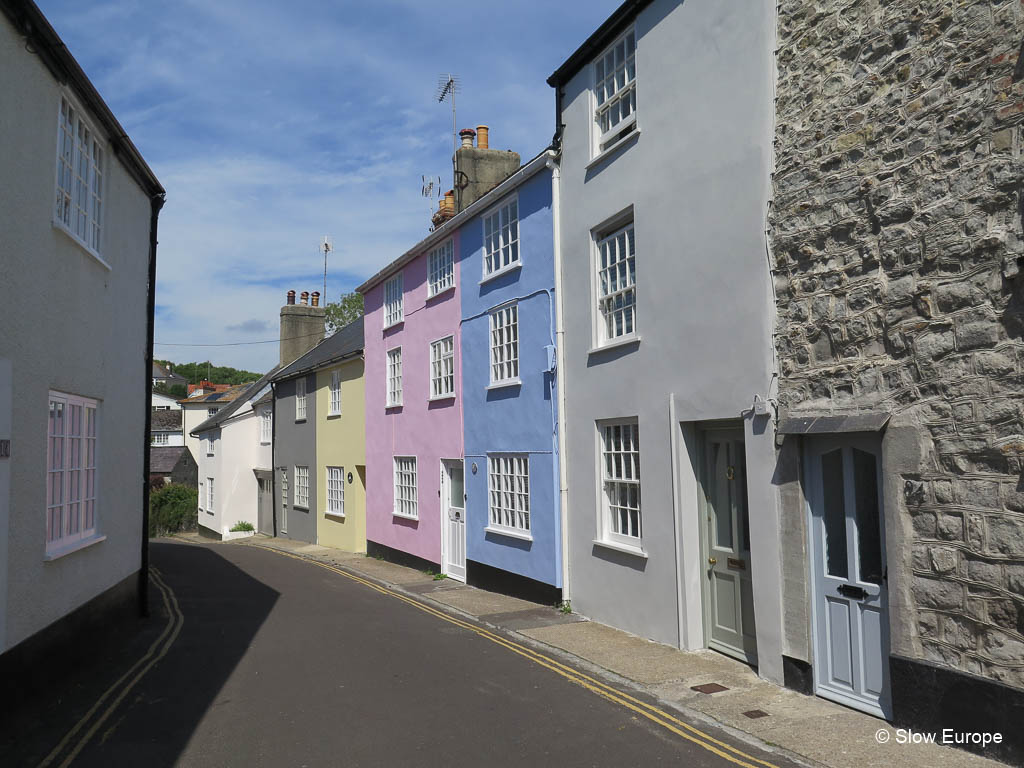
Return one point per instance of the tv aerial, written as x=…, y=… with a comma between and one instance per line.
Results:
x=326, y=247
x=447, y=86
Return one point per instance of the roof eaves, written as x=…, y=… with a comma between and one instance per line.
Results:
x=621, y=18
x=506, y=186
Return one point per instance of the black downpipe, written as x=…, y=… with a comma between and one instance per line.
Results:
x=156, y=202
x=556, y=140
x=273, y=455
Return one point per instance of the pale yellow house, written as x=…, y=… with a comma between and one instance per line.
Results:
x=341, y=442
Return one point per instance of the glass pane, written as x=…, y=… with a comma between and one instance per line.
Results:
x=458, y=488
x=720, y=496
x=834, y=513
x=869, y=541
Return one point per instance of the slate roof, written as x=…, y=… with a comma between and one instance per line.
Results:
x=163, y=458
x=159, y=372
x=224, y=396
x=165, y=421
x=246, y=392
x=345, y=343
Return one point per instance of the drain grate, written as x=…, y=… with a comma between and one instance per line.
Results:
x=708, y=688
x=756, y=713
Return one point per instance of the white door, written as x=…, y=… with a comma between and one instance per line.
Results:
x=728, y=586
x=453, y=513
x=850, y=600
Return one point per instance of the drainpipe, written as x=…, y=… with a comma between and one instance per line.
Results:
x=563, y=483
x=273, y=456
x=156, y=202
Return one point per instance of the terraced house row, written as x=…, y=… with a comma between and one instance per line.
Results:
x=733, y=364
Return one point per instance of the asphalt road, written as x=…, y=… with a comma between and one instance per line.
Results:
x=256, y=659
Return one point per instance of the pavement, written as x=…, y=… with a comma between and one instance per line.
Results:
x=806, y=729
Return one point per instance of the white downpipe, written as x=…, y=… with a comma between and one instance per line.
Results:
x=563, y=491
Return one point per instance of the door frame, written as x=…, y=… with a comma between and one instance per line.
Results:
x=812, y=493
x=445, y=496
x=702, y=429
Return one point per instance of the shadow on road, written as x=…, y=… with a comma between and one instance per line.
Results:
x=223, y=609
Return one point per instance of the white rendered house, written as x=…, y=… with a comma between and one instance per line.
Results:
x=78, y=213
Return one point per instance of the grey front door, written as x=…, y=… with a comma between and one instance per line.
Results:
x=847, y=549
x=265, y=504
x=728, y=584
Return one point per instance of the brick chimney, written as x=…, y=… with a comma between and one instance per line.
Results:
x=480, y=169
x=302, y=326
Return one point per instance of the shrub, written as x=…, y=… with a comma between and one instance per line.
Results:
x=242, y=525
x=172, y=508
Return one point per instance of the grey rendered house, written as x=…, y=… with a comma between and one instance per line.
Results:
x=665, y=129
x=79, y=221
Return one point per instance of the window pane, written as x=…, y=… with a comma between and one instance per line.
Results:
x=833, y=493
x=869, y=542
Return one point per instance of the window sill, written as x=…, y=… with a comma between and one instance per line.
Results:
x=404, y=516
x=208, y=511
x=604, y=154
x=58, y=225
x=387, y=328
x=264, y=442
x=300, y=507
x=300, y=421
x=511, y=533
x=439, y=398
x=503, y=271
x=67, y=549
x=334, y=415
x=628, y=549
x=393, y=407
x=631, y=340
x=335, y=515
x=441, y=293
x=505, y=384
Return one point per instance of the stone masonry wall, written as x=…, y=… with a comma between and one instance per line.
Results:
x=896, y=233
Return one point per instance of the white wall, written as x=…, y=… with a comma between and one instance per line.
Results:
x=192, y=416
x=163, y=400
x=238, y=452
x=74, y=325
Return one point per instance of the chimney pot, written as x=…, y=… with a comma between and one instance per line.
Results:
x=316, y=298
x=291, y=297
x=467, y=134
x=304, y=298
x=483, y=137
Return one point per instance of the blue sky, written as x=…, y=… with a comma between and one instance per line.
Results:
x=272, y=124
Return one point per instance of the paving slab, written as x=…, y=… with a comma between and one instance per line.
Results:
x=478, y=602
x=389, y=572
x=530, y=618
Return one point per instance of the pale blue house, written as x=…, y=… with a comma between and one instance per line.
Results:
x=509, y=387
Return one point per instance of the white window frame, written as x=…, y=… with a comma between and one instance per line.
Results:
x=209, y=495
x=406, y=488
x=508, y=493
x=501, y=251
x=72, y=472
x=442, y=368
x=202, y=490
x=300, y=491
x=393, y=378
x=159, y=438
x=300, y=398
x=79, y=183
x=609, y=104
x=503, y=325
x=335, y=484
x=394, y=301
x=441, y=269
x=209, y=444
x=211, y=412
x=334, y=394
x=616, y=478
x=615, y=285
x=266, y=426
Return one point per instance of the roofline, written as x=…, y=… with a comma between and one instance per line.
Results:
x=342, y=358
x=42, y=39
x=545, y=158
x=623, y=16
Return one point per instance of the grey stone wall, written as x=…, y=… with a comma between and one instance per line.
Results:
x=896, y=233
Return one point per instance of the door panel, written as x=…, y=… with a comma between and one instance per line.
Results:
x=847, y=551
x=453, y=557
x=728, y=592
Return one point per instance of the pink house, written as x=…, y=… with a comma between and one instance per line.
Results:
x=414, y=450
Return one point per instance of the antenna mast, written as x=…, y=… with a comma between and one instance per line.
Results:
x=449, y=85
x=326, y=245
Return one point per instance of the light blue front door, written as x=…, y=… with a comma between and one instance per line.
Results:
x=850, y=613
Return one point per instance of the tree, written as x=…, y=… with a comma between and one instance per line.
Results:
x=346, y=310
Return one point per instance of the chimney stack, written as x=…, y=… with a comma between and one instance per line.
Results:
x=302, y=326
x=480, y=169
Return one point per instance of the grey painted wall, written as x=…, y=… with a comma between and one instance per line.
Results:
x=697, y=178
x=295, y=445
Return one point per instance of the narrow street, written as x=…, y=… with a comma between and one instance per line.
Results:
x=258, y=659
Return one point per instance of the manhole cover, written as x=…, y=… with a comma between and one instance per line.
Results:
x=756, y=713
x=708, y=688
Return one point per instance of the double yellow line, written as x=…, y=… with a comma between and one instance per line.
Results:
x=642, y=708
x=125, y=683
